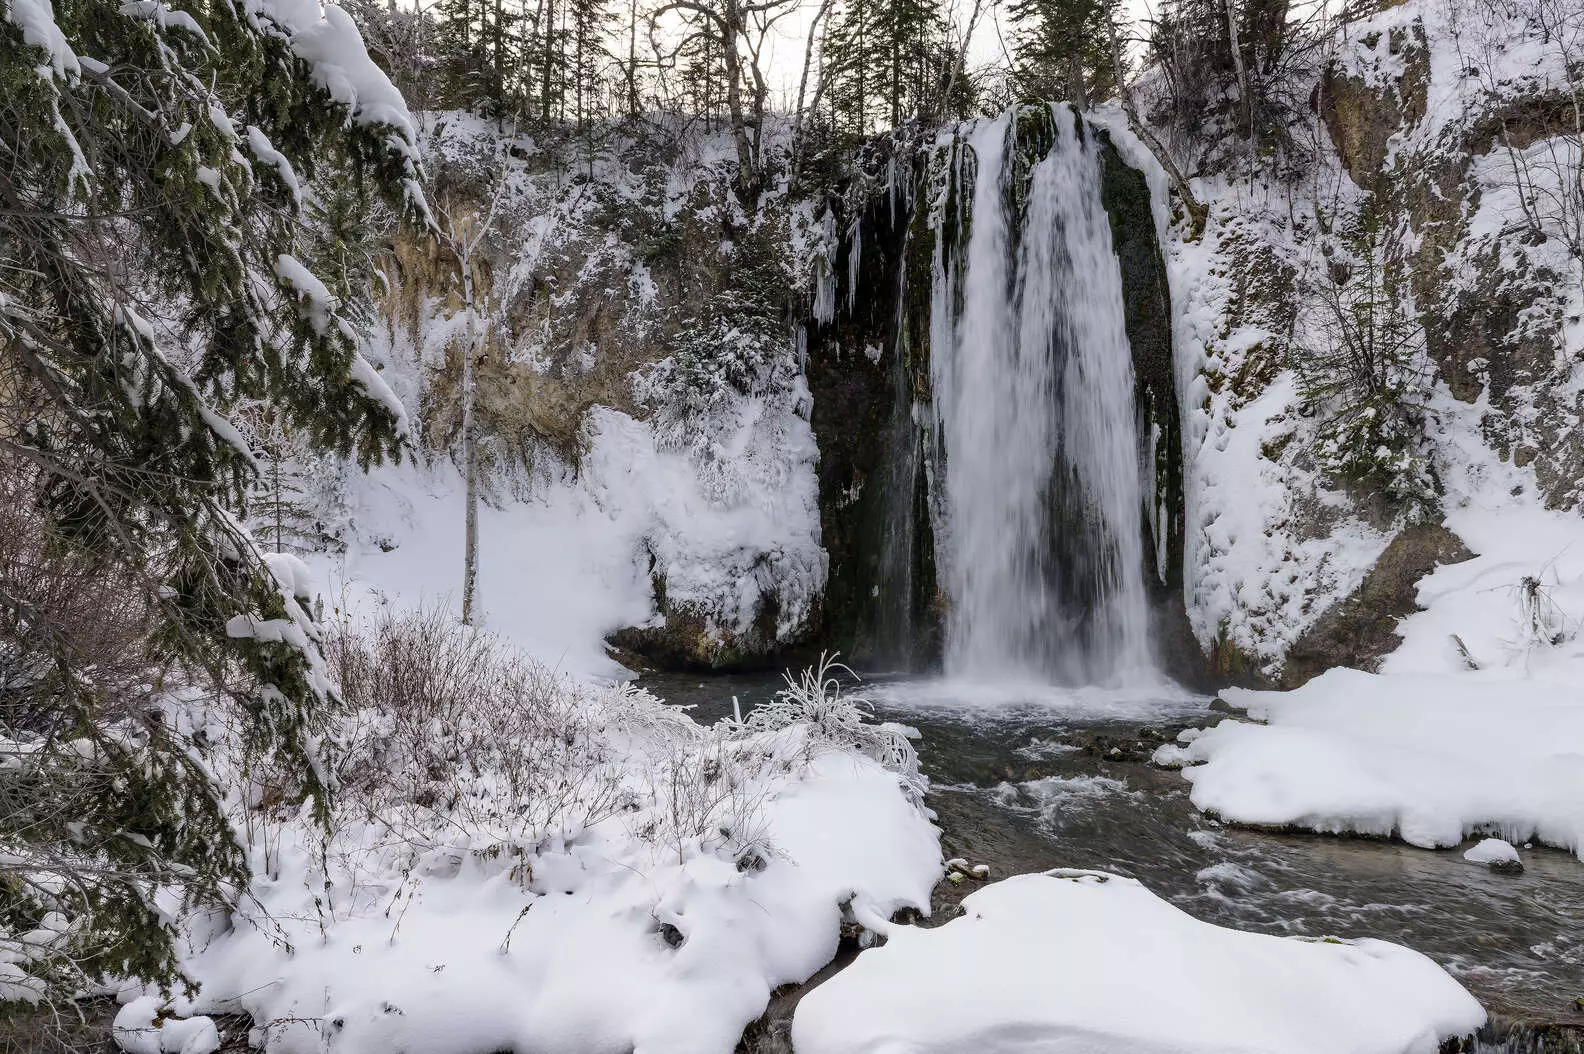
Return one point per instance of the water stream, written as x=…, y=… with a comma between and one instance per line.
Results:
x=1062, y=778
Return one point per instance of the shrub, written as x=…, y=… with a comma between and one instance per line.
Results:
x=1363, y=372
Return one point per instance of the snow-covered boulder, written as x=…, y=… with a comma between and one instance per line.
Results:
x=1085, y=961
x=1500, y=855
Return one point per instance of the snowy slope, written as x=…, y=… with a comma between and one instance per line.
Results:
x=1407, y=117
x=571, y=870
x=648, y=456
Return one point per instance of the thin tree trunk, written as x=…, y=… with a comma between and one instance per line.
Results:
x=961, y=58
x=747, y=173
x=469, y=456
x=632, y=58
x=1246, y=96
x=1197, y=212
x=801, y=119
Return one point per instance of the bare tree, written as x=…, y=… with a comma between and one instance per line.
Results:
x=738, y=29
x=463, y=234
x=1197, y=212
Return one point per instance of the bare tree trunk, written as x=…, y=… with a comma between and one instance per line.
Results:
x=469, y=453
x=731, y=32
x=1246, y=97
x=1197, y=212
x=800, y=117
x=464, y=246
x=632, y=58
x=961, y=58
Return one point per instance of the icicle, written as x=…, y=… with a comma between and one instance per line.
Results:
x=825, y=271
x=854, y=260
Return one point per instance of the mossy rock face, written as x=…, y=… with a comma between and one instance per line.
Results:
x=1231, y=665
x=865, y=370
x=1147, y=318
x=689, y=640
x=1362, y=118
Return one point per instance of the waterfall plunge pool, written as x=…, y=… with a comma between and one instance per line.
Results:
x=1028, y=778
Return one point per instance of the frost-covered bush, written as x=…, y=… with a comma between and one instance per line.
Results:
x=452, y=736
x=816, y=699
x=1540, y=620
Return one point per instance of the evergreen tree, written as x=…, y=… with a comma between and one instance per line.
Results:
x=152, y=171
x=1063, y=49
x=887, y=61
x=587, y=57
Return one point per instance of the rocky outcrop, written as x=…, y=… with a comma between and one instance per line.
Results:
x=1360, y=630
x=631, y=299
x=1363, y=115
x=1489, y=298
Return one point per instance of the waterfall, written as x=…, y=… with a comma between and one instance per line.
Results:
x=1039, y=503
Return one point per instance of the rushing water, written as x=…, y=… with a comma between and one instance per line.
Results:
x=1062, y=779
x=1039, y=535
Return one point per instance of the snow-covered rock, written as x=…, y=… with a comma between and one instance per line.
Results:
x=1085, y=961
x=146, y=1026
x=1500, y=855
x=1430, y=750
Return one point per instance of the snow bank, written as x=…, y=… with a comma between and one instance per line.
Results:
x=1084, y=961
x=1427, y=758
x=1430, y=750
x=141, y=1027
x=646, y=892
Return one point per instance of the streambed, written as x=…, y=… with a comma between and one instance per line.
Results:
x=1031, y=781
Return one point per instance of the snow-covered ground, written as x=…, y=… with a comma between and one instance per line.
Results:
x=567, y=557
x=564, y=868
x=1431, y=750
x=1085, y=961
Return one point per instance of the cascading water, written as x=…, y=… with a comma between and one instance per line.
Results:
x=1039, y=515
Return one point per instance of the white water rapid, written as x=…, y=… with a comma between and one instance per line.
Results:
x=1039, y=532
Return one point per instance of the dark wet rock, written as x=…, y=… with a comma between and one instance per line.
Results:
x=1359, y=630
x=1503, y=1036
x=687, y=640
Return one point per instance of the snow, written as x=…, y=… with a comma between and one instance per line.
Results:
x=1085, y=961
x=36, y=20
x=317, y=303
x=1429, y=750
x=324, y=36
x=1492, y=851
x=1429, y=758
x=700, y=479
x=557, y=572
x=365, y=376
x=721, y=866
x=143, y=1026
x=167, y=17
x=265, y=151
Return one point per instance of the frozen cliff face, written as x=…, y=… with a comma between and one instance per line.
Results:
x=643, y=418
x=1443, y=127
